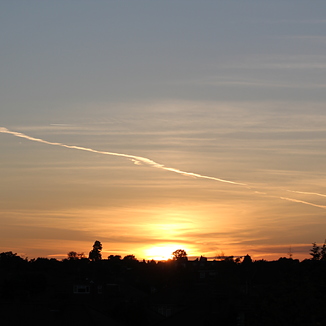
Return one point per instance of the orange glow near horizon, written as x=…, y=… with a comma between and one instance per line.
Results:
x=163, y=252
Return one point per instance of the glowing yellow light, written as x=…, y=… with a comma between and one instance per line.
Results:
x=163, y=252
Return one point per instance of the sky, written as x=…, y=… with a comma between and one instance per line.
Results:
x=160, y=125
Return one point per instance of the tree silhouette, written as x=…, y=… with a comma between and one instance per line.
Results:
x=130, y=258
x=315, y=251
x=323, y=251
x=73, y=255
x=95, y=254
x=10, y=258
x=179, y=254
x=318, y=253
x=247, y=260
x=114, y=257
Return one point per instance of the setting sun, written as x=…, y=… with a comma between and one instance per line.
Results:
x=163, y=252
x=163, y=162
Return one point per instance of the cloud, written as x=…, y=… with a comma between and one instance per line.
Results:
x=264, y=82
x=24, y=231
x=134, y=158
x=303, y=202
x=138, y=160
x=307, y=193
x=297, y=61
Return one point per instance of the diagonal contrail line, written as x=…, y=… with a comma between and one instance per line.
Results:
x=303, y=202
x=128, y=156
x=307, y=193
x=154, y=164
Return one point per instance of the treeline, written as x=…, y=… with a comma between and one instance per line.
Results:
x=317, y=253
x=95, y=254
x=124, y=291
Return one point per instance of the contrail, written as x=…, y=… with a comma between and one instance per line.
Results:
x=134, y=158
x=139, y=159
x=307, y=193
x=303, y=202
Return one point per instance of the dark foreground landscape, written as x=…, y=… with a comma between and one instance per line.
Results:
x=115, y=291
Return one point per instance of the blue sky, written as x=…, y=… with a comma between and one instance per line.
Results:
x=233, y=90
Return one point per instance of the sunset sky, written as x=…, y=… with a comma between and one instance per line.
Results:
x=157, y=125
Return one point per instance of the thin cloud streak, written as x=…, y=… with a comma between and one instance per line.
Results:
x=139, y=159
x=135, y=159
x=303, y=202
x=307, y=193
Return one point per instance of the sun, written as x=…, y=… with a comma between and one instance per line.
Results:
x=163, y=252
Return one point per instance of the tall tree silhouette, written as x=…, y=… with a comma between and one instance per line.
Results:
x=323, y=251
x=315, y=252
x=95, y=254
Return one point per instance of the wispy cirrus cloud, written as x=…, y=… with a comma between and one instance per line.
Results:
x=297, y=61
x=261, y=83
